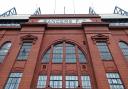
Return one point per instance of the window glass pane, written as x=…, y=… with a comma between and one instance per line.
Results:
x=24, y=51
x=106, y=56
x=82, y=58
x=63, y=51
x=57, y=58
x=101, y=43
x=104, y=51
x=86, y=84
x=6, y=45
x=103, y=48
x=42, y=81
x=58, y=48
x=57, y=53
x=125, y=52
x=56, y=81
x=70, y=48
x=114, y=81
x=71, y=82
x=70, y=58
x=46, y=57
x=4, y=50
x=124, y=47
x=70, y=53
x=13, y=81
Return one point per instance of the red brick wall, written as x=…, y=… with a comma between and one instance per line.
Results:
x=81, y=36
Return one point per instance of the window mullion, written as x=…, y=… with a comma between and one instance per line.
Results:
x=51, y=54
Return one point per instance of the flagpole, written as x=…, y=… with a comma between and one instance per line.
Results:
x=64, y=9
x=55, y=7
x=74, y=7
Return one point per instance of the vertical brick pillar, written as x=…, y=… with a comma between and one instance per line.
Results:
x=30, y=65
x=9, y=60
x=98, y=66
x=119, y=61
x=92, y=29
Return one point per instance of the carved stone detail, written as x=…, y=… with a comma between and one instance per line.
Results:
x=100, y=37
x=28, y=38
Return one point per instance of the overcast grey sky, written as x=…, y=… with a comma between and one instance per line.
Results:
x=48, y=6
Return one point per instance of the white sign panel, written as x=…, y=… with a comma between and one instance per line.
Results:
x=64, y=21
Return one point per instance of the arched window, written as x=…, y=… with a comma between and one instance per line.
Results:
x=4, y=50
x=124, y=47
x=64, y=52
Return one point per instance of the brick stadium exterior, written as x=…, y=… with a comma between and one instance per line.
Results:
x=84, y=35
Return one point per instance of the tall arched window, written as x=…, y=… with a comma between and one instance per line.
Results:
x=4, y=50
x=124, y=47
x=67, y=52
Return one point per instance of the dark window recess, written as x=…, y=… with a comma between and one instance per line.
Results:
x=84, y=42
x=115, y=20
x=44, y=66
x=12, y=21
x=83, y=66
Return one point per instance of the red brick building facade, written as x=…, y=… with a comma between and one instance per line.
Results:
x=64, y=52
